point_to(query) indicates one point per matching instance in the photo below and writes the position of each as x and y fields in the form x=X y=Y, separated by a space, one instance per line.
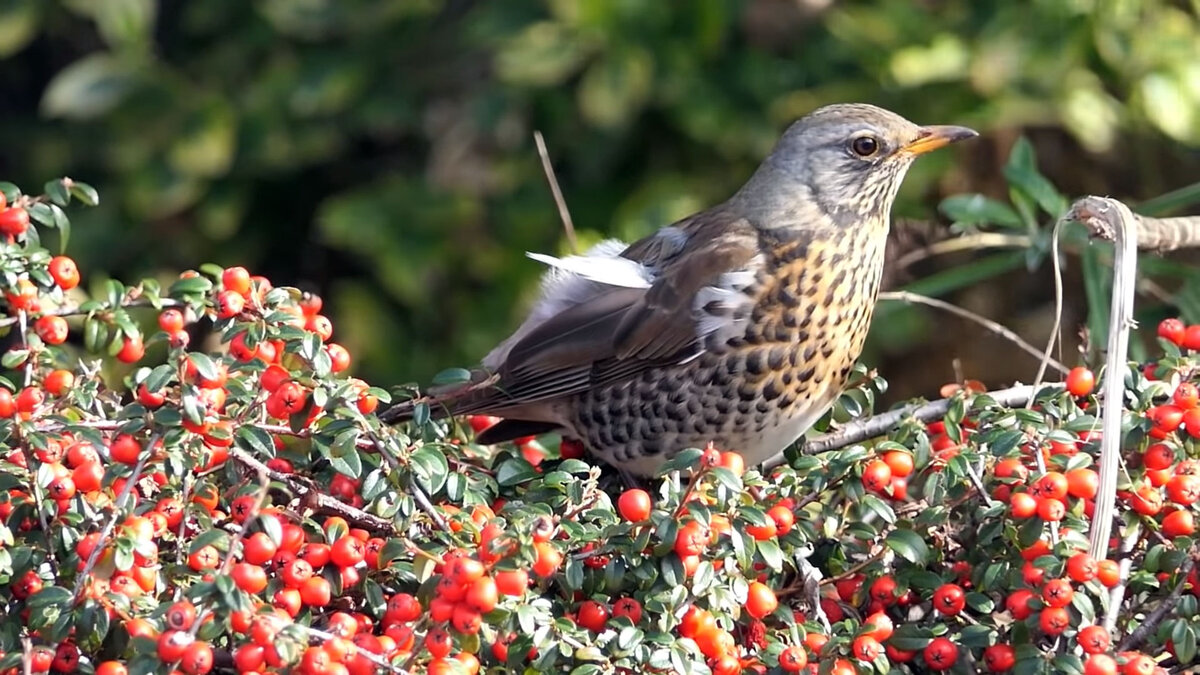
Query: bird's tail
x=477 y=396
x=459 y=398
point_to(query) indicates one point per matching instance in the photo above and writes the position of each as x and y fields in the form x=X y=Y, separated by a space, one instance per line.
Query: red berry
x=51 y=329
x=949 y=599
x=1094 y=639
x=64 y=272
x=14 y=221
x=1100 y=664
x=877 y=475
x=1080 y=381
x=1172 y=330
x=635 y=505
x=592 y=615
x=1081 y=567
x=237 y=280
x=1000 y=658
x=132 y=350
x=940 y=654
x=629 y=608
x=760 y=600
x=1191 y=338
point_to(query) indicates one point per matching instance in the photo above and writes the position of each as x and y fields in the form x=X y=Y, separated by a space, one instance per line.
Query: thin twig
x=418 y=494
x=1139 y=635
x=1117 y=594
x=971 y=242
x=368 y=655
x=1056 y=329
x=997 y=328
x=71 y=310
x=118 y=511
x=563 y=213
x=323 y=501
x=861 y=430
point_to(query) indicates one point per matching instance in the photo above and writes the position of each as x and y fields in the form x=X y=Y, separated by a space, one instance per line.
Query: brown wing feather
x=662 y=323
x=622 y=332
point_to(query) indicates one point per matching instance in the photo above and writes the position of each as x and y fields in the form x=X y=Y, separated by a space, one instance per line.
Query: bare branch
x=971 y=242
x=1166 y=234
x=867 y=428
x=323 y=501
x=563 y=213
x=1109 y=218
x=118 y=512
x=998 y=329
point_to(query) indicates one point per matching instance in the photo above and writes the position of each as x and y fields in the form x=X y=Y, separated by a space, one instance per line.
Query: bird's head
x=849 y=159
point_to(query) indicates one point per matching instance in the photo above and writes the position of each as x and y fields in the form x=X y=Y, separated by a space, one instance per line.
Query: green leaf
x=57 y=192
x=256 y=440
x=980 y=603
x=85 y=193
x=514 y=472
x=218 y=539
x=976 y=209
x=1185 y=644
x=771 y=554
x=64 y=227
x=348 y=464
x=88 y=88
x=1175 y=199
x=910 y=637
x=430 y=468
x=1021 y=172
x=13 y=358
x=908 y=545
x=684 y=459
x=1067 y=664
x=452 y=376
x=190 y=286
x=50 y=596
x=204 y=364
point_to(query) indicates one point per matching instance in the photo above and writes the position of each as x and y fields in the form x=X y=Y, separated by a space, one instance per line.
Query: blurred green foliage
x=380 y=151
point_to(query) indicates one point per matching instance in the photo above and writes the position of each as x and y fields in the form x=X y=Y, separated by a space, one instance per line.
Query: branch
x=68 y=310
x=971 y=242
x=1164 y=234
x=563 y=213
x=1139 y=635
x=867 y=428
x=323 y=501
x=118 y=512
x=999 y=329
x=1110 y=219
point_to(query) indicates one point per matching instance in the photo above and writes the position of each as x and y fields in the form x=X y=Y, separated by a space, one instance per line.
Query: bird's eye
x=864 y=146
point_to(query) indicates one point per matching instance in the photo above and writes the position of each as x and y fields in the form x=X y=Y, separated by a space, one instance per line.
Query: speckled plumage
x=738 y=325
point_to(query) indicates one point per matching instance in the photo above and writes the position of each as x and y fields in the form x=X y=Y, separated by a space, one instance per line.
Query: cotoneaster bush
x=191 y=483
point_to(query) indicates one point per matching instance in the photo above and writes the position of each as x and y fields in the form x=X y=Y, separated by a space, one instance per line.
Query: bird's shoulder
x=704 y=234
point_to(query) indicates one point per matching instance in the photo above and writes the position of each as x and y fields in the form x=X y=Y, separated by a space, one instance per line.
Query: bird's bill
x=934 y=137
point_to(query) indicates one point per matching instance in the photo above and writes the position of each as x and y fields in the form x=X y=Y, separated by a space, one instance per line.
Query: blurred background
x=380 y=152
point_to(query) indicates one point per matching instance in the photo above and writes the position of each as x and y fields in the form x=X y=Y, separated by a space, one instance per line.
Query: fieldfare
x=738 y=325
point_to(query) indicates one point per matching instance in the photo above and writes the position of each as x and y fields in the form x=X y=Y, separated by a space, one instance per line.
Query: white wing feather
x=571 y=281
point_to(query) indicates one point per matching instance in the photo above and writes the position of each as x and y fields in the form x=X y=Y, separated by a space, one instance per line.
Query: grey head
x=844 y=162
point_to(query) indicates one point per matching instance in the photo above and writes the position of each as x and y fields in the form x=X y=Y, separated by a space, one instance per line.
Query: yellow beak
x=934 y=137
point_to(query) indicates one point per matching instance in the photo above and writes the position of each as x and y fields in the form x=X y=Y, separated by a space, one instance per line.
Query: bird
x=737 y=326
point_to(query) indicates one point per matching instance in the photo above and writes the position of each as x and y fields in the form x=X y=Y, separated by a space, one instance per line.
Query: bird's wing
x=690 y=277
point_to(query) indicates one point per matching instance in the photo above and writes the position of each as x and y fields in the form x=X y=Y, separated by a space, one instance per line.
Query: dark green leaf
x=85 y=193
x=57 y=192
x=514 y=472
x=430 y=468
x=908 y=545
